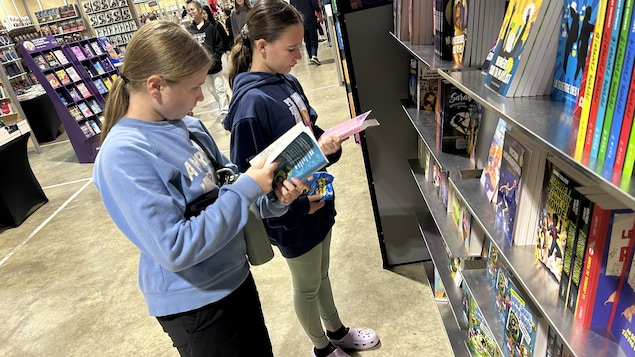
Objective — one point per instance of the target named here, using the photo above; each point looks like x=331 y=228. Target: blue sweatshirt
x=263 y=107
x=146 y=173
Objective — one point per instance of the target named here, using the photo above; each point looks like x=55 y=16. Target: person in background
x=208 y=16
x=308 y=9
x=153 y=161
x=268 y=48
x=239 y=15
x=228 y=26
x=211 y=39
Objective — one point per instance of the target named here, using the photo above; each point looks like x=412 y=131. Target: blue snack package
x=319 y=183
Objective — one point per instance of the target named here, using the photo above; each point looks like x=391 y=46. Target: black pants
x=233 y=326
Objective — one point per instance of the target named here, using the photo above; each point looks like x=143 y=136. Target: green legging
x=312 y=295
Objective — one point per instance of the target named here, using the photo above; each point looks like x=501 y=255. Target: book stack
x=420 y=25
x=524 y=48
x=481 y=22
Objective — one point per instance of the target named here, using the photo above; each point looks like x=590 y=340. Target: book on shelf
x=589 y=72
x=619 y=118
x=77 y=50
x=476 y=239
x=50 y=58
x=439 y=290
x=491 y=171
x=595 y=288
x=413 y=69
x=88 y=50
x=528 y=195
x=72 y=74
x=83 y=90
x=493 y=263
x=96 y=48
x=94 y=106
x=480 y=339
x=460 y=21
x=459 y=120
x=41 y=62
x=625 y=133
x=401 y=13
x=298 y=151
x=444 y=30
x=570 y=59
x=75 y=95
x=351 y=126
x=61 y=58
x=50 y=77
x=63 y=76
x=101 y=87
x=83 y=107
x=98 y=67
x=622 y=327
x=421 y=29
x=428 y=89
x=602 y=81
x=94 y=126
x=508 y=188
x=524 y=330
x=618 y=68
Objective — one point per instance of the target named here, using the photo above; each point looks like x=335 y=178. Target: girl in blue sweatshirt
x=153 y=161
x=267 y=102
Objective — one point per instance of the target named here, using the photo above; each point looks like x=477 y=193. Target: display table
x=42 y=117
x=20 y=192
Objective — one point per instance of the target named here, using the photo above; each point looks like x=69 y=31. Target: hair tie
x=125 y=79
x=244 y=32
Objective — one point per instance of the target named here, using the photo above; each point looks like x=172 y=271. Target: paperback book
x=352 y=126
x=509 y=185
x=491 y=172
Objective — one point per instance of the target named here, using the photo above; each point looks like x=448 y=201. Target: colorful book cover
x=428 y=89
x=521 y=326
x=576 y=30
x=83 y=90
x=623 y=327
x=63 y=76
x=444 y=16
x=491 y=171
x=460 y=119
x=629 y=155
x=95 y=46
x=53 y=80
x=41 y=62
x=439 y=289
x=72 y=74
x=615 y=256
x=579 y=251
x=88 y=50
x=602 y=82
x=98 y=67
x=615 y=81
x=572 y=235
x=412 y=79
x=622 y=143
x=552 y=225
x=622 y=97
x=591 y=69
x=101 y=87
x=85 y=109
x=50 y=58
x=516 y=28
x=502 y=300
x=78 y=53
x=480 y=339
x=509 y=185
x=460 y=26
x=60 y=56
x=493 y=263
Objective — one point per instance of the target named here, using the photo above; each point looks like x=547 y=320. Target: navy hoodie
x=263 y=107
x=212 y=40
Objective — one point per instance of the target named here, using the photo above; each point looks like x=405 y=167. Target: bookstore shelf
x=425 y=54
x=443 y=222
x=541 y=288
x=439 y=255
x=550 y=123
x=425 y=124
x=481 y=291
x=456 y=336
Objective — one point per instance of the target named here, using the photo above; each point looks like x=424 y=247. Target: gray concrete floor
x=69 y=277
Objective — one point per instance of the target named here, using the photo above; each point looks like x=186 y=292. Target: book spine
x=622 y=96
x=601 y=88
x=590 y=79
x=622 y=143
x=592 y=263
x=629 y=156
x=615 y=81
x=584 y=224
x=572 y=235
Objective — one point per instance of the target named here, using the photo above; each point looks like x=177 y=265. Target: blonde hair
x=159 y=48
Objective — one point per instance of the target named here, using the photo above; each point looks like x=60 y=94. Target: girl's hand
x=289 y=191
x=263 y=174
x=330 y=144
x=315 y=203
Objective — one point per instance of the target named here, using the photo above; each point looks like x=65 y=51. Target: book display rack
x=65 y=23
x=395 y=171
x=114 y=19
x=76 y=76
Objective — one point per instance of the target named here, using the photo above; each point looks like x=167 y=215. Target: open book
x=352 y=126
x=299 y=153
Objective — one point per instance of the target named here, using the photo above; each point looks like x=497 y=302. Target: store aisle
x=69 y=276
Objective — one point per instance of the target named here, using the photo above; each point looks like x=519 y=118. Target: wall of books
x=78 y=75
x=522 y=114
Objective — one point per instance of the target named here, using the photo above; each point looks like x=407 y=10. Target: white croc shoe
x=337 y=353
x=357 y=339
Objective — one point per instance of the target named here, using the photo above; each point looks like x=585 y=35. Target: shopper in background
x=269 y=47
x=193 y=271
x=208 y=16
x=239 y=15
x=228 y=26
x=211 y=39
x=308 y=9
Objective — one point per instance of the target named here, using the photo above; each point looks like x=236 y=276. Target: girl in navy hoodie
x=267 y=101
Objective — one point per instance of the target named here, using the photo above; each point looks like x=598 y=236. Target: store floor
x=69 y=277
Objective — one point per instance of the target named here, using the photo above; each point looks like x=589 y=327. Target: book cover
x=572 y=234
x=509 y=185
x=625 y=134
x=74 y=94
x=629 y=156
x=428 y=89
x=502 y=300
x=521 y=327
x=77 y=50
x=460 y=18
x=615 y=255
x=88 y=50
x=352 y=126
x=50 y=58
x=50 y=77
x=41 y=62
x=412 y=80
x=60 y=56
x=480 y=339
x=615 y=82
x=460 y=119
x=552 y=224
x=512 y=38
x=491 y=171
x=575 y=32
x=63 y=76
x=94 y=106
x=101 y=87
x=493 y=263
x=96 y=48
x=584 y=99
x=439 y=289
x=98 y=67
x=445 y=30
x=83 y=90
x=622 y=96
x=598 y=102
x=72 y=74
x=83 y=107
x=623 y=327
x=298 y=151
x=579 y=251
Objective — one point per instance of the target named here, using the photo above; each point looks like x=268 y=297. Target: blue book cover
x=576 y=30
x=606 y=82
x=623 y=325
x=521 y=326
x=622 y=98
x=509 y=185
